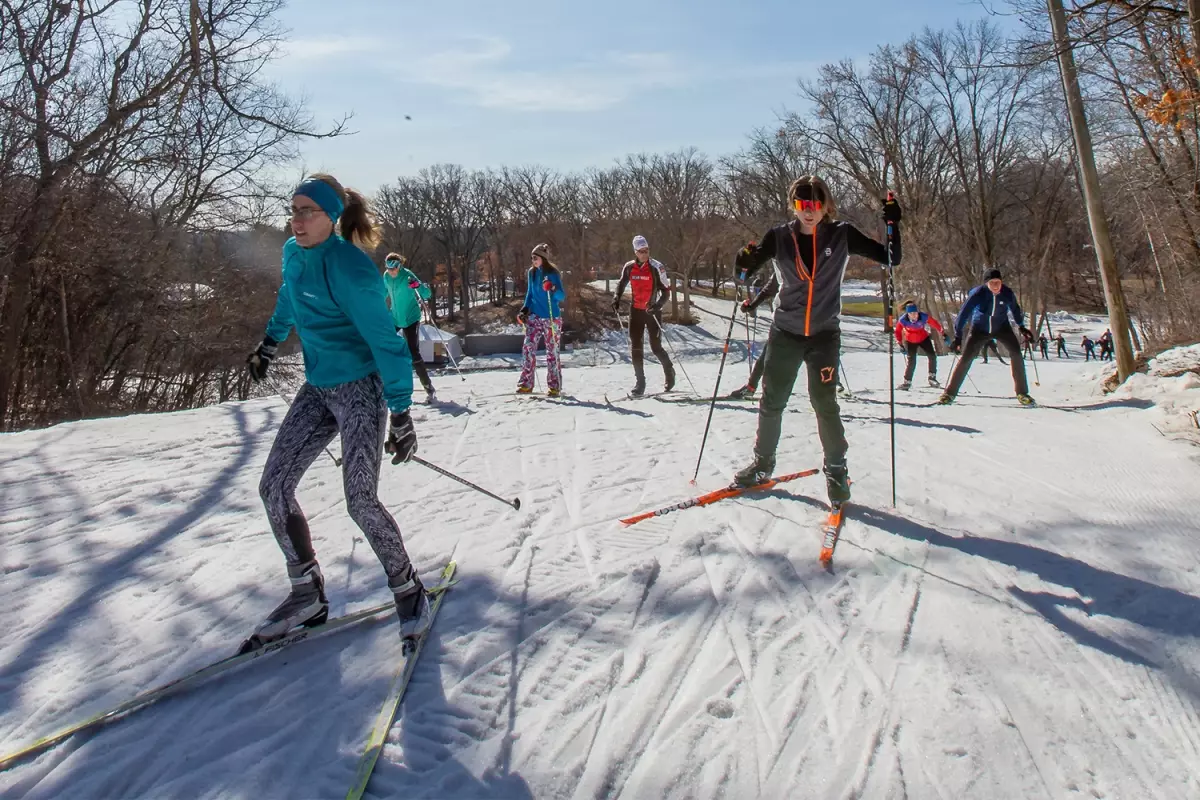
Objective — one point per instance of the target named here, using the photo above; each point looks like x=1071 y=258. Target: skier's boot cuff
x=758 y=472
x=837 y=483
x=412 y=605
x=305 y=606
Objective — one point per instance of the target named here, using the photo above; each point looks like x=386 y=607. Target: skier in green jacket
x=405 y=294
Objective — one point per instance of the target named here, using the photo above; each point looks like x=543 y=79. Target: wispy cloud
x=298 y=52
x=486 y=71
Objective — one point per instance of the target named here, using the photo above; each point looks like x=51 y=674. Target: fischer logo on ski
x=832 y=531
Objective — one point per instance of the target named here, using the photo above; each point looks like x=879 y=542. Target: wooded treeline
x=140 y=234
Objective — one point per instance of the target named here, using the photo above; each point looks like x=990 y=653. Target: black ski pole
x=515 y=502
x=891 y=291
x=716 y=389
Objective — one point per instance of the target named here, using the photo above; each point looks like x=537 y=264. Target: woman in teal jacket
x=542 y=317
x=357 y=369
x=405 y=293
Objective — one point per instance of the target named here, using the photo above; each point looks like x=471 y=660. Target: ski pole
x=449 y=355
x=891 y=291
x=1037 y=381
x=515 y=502
x=713 y=404
x=845 y=377
x=663 y=334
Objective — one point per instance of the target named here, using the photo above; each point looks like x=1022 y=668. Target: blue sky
x=564 y=84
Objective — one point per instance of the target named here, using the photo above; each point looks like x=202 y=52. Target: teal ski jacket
x=403 y=298
x=333 y=296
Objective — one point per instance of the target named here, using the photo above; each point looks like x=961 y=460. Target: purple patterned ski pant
x=550 y=332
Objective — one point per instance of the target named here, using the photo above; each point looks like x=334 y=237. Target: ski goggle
x=392 y=264
x=808 y=205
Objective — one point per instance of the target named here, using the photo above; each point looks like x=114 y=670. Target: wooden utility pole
x=1114 y=294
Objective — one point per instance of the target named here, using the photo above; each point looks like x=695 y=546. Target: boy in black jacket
x=987 y=317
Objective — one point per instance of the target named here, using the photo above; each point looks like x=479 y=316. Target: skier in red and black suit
x=912 y=332
x=650 y=290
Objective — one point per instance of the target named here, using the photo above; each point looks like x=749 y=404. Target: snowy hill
x=1024 y=624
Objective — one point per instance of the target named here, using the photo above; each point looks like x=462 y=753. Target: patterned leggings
x=550 y=331
x=357 y=410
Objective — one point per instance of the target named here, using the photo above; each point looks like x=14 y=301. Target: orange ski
x=831 y=530
x=720 y=494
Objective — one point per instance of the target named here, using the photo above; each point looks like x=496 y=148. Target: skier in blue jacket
x=357 y=370
x=542 y=317
x=988 y=316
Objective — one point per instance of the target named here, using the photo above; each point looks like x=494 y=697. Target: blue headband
x=323 y=195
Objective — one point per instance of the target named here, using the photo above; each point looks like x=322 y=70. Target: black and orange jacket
x=810 y=270
x=648 y=282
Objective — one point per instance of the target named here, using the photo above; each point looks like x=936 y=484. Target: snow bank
x=1172 y=383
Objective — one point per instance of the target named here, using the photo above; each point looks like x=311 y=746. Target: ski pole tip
x=516 y=503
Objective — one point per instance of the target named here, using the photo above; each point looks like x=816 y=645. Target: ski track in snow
x=1024 y=625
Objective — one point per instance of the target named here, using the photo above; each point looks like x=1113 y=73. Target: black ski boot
x=305 y=607
x=744 y=393
x=758 y=472
x=670 y=376
x=412 y=605
x=837 y=484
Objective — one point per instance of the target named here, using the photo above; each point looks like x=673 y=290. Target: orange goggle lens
x=808 y=205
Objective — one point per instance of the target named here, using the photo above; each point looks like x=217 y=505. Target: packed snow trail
x=1024 y=625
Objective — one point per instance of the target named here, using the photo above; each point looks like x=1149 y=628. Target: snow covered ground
x=1024 y=624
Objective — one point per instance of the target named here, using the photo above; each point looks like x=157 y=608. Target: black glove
x=1025 y=332
x=957 y=346
x=616 y=305
x=891 y=210
x=402 y=439
x=523 y=315
x=744 y=260
x=747 y=306
x=258 y=361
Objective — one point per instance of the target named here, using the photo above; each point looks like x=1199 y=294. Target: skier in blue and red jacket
x=912 y=332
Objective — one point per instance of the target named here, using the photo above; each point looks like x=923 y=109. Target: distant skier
x=750 y=306
x=1106 y=345
x=405 y=293
x=811 y=253
x=987 y=317
x=650 y=290
x=1061 y=341
x=542 y=317
x=991 y=347
x=356 y=369
x=912 y=332
x=1089 y=348
x=1044 y=346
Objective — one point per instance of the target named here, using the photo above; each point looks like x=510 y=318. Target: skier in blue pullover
x=357 y=370
x=988 y=316
x=542 y=317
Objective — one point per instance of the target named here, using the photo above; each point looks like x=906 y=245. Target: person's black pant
x=976 y=341
x=414 y=347
x=1045 y=350
x=639 y=321
x=910 y=368
x=784 y=355
x=1062 y=350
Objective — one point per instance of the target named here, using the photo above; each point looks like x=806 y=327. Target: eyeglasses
x=303 y=213
x=809 y=205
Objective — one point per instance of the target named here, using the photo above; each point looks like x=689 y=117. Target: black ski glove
x=523 y=315
x=402 y=439
x=891 y=210
x=748 y=307
x=957 y=346
x=616 y=305
x=258 y=361
x=1026 y=333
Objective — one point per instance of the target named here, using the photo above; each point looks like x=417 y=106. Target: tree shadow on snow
x=107 y=569
x=1109 y=594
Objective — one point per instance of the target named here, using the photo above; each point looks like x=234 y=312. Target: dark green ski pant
x=784 y=354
